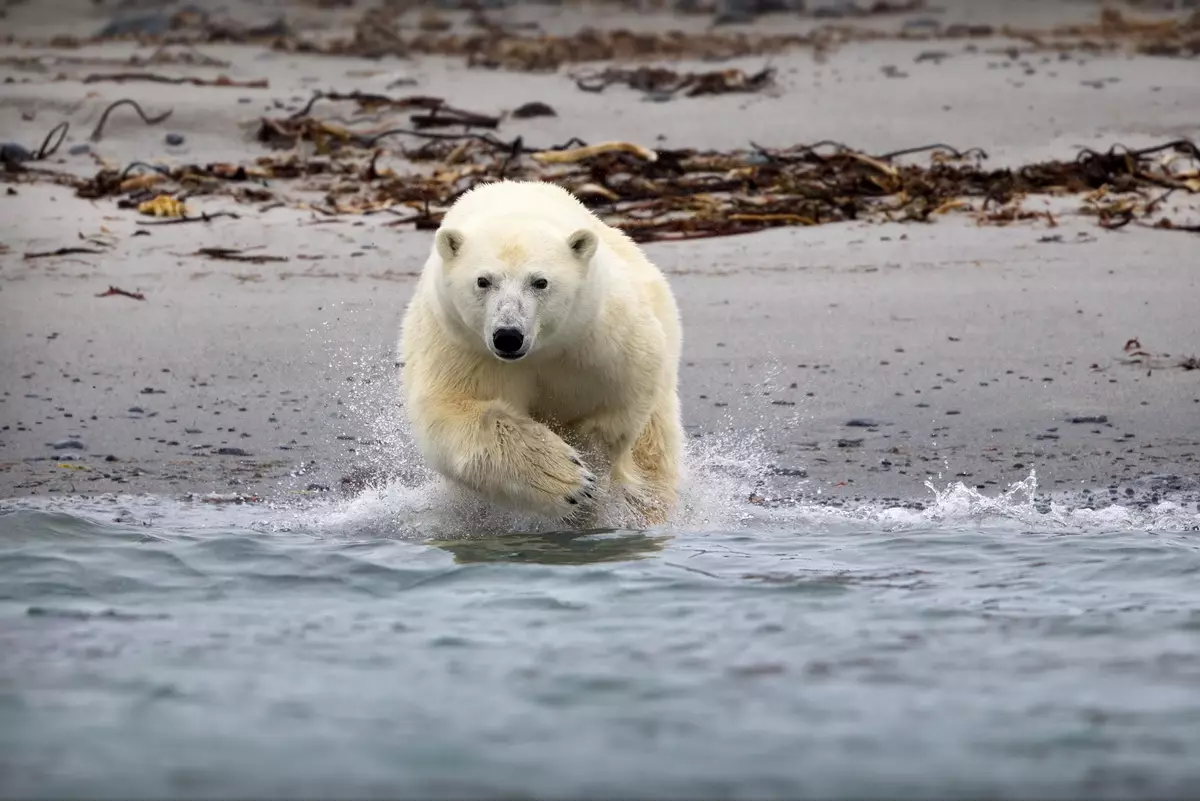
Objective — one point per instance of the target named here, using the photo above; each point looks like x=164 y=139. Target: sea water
x=407 y=643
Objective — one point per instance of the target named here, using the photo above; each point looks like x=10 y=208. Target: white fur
x=600 y=369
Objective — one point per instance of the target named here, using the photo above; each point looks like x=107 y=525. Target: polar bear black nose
x=508 y=340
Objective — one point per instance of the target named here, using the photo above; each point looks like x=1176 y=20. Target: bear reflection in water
x=556 y=548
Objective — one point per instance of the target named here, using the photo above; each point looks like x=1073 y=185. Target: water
x=396 y=645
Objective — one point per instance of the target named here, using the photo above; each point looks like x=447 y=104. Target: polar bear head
x=515 y=282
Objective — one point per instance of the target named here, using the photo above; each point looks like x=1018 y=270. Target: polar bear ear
x=449 y=242
x=583 y=244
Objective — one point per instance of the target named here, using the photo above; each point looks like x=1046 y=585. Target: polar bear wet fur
x=535 y=327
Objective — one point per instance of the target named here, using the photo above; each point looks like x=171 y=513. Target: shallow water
x=151 y=647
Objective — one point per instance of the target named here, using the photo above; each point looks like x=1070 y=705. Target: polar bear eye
x=482 y=282
x=540 y=283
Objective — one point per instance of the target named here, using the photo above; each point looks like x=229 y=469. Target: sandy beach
x=872 y=356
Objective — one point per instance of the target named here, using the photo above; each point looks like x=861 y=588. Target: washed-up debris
x=204 y=217
x=576 y=154
x=233 y=254
x=368 y=101
x=658 y=194
x=220 y=80
x=1115 y=30
x=863 y=422
x=542 y=53
x=12 y=153
x=379 y=34
x=533 y=109
x=684 y=194
x=190 y=23
x=381 y=31
x=163 y=206
x=165 y=54
x=665 y=82
x=845 y=8
x=1137 y=356
x=448 y=116
x=188 y=55
x=146 y=118
x=286 y=132
x=68 y=251
x=114 y=291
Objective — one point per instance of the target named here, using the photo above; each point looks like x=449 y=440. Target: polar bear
x=535 y=328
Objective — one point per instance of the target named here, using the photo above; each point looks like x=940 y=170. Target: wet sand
x=874 y=356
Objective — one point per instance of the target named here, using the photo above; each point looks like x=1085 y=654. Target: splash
x=730 y=484
x=726 y=476
x=720 y=473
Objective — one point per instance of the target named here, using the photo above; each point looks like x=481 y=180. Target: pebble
x=80 y=149
x=922 y=24
x=174 y=139
x=13 y=153
x=453 y=5
x=863 y=422
x=231 y=452
x=533 y=109
x=833 y=10
x=65 y=444
x=150 y=24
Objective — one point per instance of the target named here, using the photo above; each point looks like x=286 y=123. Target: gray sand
x=968 y=351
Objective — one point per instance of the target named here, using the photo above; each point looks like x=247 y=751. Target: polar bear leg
x=644 y=461
x=658 y=455
x=490 y=448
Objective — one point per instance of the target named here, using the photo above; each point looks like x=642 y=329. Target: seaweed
x=670 y=194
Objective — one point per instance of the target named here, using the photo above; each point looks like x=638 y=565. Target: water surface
x=154 y=648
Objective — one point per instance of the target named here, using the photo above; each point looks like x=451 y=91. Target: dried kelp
x=669 y=194
x=380 y=33
x=385 y=31
x=683 y=194
x=149 y=77
x=328 y=136
x=664 y=83
x=146 y=118
x=1115 y=31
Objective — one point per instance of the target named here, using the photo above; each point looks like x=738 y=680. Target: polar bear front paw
x=549 y=473
x=584 y=492
x=568 y=485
